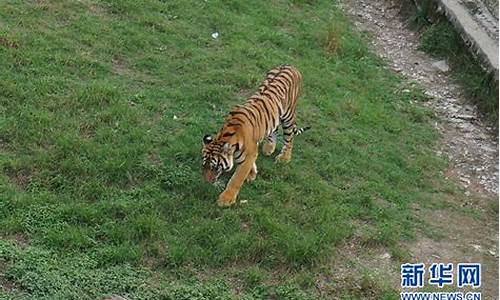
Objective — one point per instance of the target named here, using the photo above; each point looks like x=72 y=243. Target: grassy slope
x=103 y=182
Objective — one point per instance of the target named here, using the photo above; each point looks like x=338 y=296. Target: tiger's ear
x=207 y=139
x=226 y=148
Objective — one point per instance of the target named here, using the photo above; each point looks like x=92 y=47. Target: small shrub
x=440 y=40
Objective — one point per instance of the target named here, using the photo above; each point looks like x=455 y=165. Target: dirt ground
x=470 y=146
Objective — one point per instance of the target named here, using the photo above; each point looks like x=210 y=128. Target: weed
x=333 y=40
x=420 y=17
x=440 y=40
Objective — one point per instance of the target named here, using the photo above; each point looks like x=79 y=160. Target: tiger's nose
x=209 y=176
x=210 y=179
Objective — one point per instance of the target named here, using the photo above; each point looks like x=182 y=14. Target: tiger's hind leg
x=288 y=134
x=269 y=145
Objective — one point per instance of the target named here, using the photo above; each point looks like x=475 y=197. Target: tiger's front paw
x=253 y=173
x=251 y=177
x=227 y=198
x=283 y=158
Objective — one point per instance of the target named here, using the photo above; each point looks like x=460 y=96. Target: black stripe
x=284 y=122
x=272 y=72
x=258 y=100
x=287 y=79
x=253 y=115
x=228 y=134
x=265 y=107
x=285 y=84
x=256 y=107
x=238 y=119
x=289 y=72
x=233 y=113
x=280 y=107
x=238 y=156
x=270 y=93
x=290 y=113
x=275 y=118
x=287 y=115
x=279 y=88
x=225 y=162
x=265 y=117
x=293 y=111
x=242 y=151
x=268 y=114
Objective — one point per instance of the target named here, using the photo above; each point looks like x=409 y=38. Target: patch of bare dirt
x=97 y=10
x=87 y=130
x=361 y=271
x=20 y=240
x=461 y=238
x=116 y=297
x=155 y=159
x=5 y=284
x=120 y=66
x=467 y=227
x=8 y=43
x=20 y=177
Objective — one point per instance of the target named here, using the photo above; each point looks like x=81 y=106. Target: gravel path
x=469 y=144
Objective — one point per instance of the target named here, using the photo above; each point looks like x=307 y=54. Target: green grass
x=103 y=108
x=442 y=41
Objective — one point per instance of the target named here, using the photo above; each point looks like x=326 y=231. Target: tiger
x=248 y=125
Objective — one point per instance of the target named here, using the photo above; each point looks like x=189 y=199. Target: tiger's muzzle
x=210 y=175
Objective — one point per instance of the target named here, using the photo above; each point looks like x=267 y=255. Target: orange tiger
x=249 y=124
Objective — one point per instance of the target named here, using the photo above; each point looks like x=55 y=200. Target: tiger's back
x=279 y=90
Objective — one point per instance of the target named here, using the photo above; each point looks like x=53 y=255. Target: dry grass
x=333 y=38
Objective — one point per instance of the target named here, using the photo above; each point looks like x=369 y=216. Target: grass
x=442 y=41
x=103 y=105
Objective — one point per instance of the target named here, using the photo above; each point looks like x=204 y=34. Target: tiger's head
x=217 y=158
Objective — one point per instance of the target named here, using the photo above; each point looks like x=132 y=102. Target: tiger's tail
x=298 y=131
